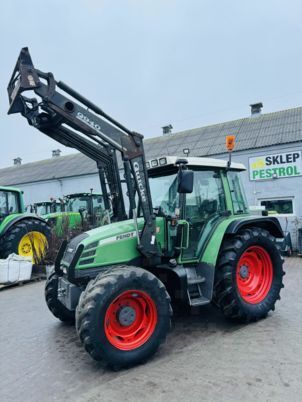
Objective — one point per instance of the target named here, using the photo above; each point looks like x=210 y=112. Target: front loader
x=190 y=241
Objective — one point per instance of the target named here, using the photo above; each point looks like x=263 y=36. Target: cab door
x=203 y=207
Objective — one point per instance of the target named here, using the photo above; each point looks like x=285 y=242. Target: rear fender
x=9 y=223
x=271 y=224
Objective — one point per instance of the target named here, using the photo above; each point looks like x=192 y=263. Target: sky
x=149 y=63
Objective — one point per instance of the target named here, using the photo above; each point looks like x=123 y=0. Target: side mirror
x=185 y=181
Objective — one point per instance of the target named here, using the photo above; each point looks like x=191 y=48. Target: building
x=269 y=145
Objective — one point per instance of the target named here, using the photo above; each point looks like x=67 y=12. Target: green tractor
x=44 y=208
x=20 y=232
x=189 y=239
x=79 y=210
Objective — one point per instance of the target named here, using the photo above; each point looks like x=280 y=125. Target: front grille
x=72 y=247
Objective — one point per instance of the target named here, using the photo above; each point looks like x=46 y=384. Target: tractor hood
x=110 y=244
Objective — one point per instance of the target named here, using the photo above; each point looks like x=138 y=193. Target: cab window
x=8 y=203
x=239 y=201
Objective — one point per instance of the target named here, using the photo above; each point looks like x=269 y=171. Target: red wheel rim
x=130 y=319
x=254 y=274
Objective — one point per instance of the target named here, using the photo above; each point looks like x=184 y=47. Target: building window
x=278 y=206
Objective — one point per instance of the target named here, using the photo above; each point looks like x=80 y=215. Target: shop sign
x=266 y=167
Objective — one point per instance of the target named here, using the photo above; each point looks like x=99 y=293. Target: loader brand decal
x=88 y=121
x=276 y=165
x=139 y=181
x=85 y=119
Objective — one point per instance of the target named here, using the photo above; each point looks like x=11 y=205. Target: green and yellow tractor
x=20 y=232
x=189 y=239
x=43 y=208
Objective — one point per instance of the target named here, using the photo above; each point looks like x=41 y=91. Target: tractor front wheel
x=54 y=305
x=249 y=275
x=123 y=316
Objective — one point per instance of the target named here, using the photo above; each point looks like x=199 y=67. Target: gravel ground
x=204 y=358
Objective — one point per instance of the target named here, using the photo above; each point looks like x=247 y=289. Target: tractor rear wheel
x=123 y=316
x=249 y=274
x=54 y=305
x=28 y=238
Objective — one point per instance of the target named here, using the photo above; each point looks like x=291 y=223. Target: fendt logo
x=88 y=121
x=139 y=181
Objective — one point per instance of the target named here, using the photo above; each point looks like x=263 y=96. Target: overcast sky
x=149 y=63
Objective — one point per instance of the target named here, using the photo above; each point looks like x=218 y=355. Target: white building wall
x=57 y=188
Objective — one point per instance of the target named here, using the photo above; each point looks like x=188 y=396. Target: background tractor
x=75 y=211
x=47 y=207
x=20 y=232
x=189 y=239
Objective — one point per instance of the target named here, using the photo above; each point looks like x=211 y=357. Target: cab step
x=195 y=281
x=198 y=281
x=199 y=301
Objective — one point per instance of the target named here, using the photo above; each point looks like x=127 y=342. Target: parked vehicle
x=80 y=210
x=190 y=238
x=21 y=233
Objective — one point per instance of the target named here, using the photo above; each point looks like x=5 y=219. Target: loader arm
x=106 y=163
x=53 y=111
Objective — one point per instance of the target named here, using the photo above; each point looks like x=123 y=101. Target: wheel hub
x=130 y=319
x=126 y=316
x=244 y=271
x=255 y=274
x=26 y=248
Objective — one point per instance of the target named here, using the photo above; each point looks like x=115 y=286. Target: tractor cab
x=11 y=202
x=216 y=192
x=89 y=205
x=47 y=207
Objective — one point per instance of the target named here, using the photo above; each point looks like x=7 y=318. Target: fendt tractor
x=20 y=232
x=189 y=239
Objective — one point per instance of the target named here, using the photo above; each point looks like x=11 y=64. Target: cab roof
x=17 y=190
x=75 y=195
x=192 y=161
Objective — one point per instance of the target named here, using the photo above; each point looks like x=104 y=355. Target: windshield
x=77 y=204
x=42 y=209
x=164 y=193
x=8 y=203
x=82 y=203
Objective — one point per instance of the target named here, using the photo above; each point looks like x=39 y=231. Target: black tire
x=98 y=297
x=54 y=305
x=11 y=239
x=227 y=295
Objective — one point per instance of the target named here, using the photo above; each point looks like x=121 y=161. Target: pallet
x=35 y=277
